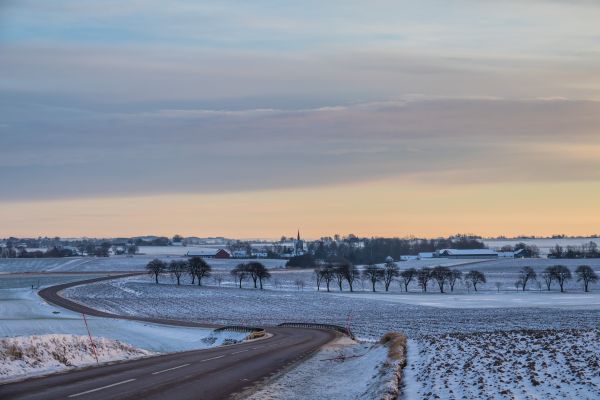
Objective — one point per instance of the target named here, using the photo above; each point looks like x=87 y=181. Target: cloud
x=433 y=142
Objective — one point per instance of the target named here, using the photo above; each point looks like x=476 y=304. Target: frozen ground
x=26 y=356
x=548 y=364
x=487 y=299
x=24 y=313
x=107 y=264
x=370 y=316
x=436 y=330
x=340 y=370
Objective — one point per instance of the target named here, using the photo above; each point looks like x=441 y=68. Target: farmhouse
x=208 y=253
x=470 y=253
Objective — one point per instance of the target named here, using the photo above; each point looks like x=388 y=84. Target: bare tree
x=374 y=274
x=327 y=274
x=455 y=276
x=240 y=273
x=262 y=274
x=518 y=284
x=390 y=271
x=548 y=277
x=218 y=279
x=423 y=277
x=318 y=272
x=156 y=267
x=561 y=274
x=338 y=274
x=199 y=268
x=299 y=284
x=498 y=286
x=407 y=276
x=257 y=272
x=177 y=268
x=475 y=277
x=350 y=273
x=586 y=274
x=526 y=274
x=441 y=275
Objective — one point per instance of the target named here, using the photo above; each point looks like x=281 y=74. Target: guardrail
x=253 y=332
x=337 y=328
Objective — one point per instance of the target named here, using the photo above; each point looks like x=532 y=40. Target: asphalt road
x=215 y=373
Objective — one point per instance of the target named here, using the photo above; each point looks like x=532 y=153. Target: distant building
x=468 y=253
x=426 y=255
x=208 y=253
x=259 y=253
x=511 y=254
x=240 y=254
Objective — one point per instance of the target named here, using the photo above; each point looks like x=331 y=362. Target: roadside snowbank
x=340 y=370
x=26 y=356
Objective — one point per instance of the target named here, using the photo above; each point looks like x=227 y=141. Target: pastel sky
x=256 y=118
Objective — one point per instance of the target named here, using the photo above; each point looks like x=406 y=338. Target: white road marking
x=213 y=358
x=169 y=369
x=100 y=388
x=241 y=351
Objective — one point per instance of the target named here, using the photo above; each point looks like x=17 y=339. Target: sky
x=255 y=119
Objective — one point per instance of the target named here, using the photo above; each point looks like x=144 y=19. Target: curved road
x=215 y=373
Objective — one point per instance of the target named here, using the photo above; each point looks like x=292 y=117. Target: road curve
x=215 y=373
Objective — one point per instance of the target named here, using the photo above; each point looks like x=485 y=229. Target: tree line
x=330 y=273
x=559 y=274
x=195 y=267
x=198 y=269
x=376 y=250
x=587 y=250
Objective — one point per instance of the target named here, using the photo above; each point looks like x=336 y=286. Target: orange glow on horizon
x=384 y=208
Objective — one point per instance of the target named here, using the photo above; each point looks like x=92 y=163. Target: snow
x=548 y=364
x=543 y=299
x=112 y=264
x=25 y=356
x=341 y=370
x=437 y=332
x=370 y=315
x=24 y=313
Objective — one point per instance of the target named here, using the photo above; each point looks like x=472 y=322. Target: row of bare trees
x=195 y=267
x=559 y=274
x=326 y=274
x=253 y=270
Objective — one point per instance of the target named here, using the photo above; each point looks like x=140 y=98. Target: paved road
x=202 y=374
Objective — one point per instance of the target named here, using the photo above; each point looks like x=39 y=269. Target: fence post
x=91 y=340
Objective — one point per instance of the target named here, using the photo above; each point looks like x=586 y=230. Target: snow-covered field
x=25 y=356
x=478 y=319
x=23 y=313
x=370 y=315
x=489 y=299
x=26 y=321
x=547 y=364
x=108 y=264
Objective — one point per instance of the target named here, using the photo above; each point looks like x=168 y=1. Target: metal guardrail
x=239 y=328
x=253 y=332
x=337 y=328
